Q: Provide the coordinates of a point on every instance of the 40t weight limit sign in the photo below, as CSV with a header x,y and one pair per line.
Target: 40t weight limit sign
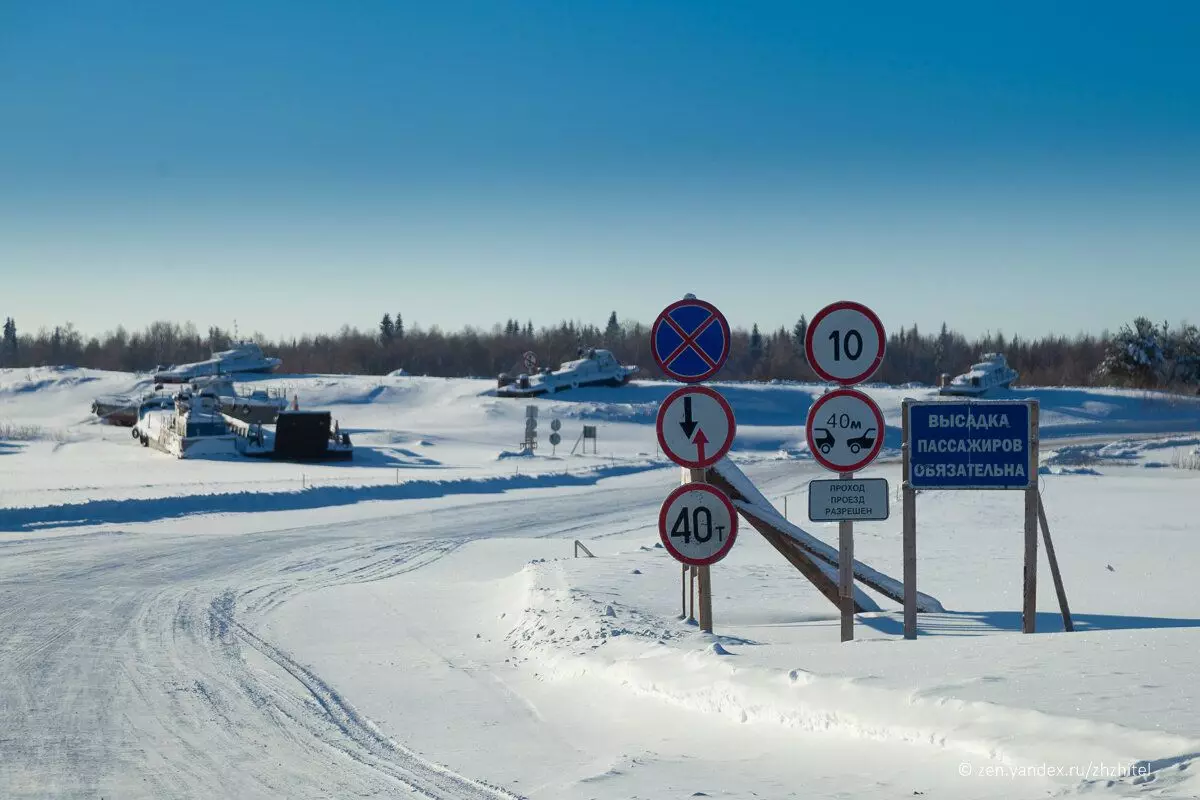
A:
x,y
697,524
845,343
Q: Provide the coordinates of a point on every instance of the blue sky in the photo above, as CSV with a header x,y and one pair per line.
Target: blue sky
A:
x,y
297,166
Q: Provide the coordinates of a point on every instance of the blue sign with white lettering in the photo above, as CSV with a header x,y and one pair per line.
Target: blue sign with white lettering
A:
x,y
971,445
690,340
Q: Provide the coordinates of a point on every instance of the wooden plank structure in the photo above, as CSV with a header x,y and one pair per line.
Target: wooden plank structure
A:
x,y
815,560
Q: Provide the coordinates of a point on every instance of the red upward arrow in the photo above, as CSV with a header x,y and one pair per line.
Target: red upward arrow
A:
x,y
700,441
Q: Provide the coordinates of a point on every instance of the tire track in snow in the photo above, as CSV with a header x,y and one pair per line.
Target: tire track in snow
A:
x,y
366,743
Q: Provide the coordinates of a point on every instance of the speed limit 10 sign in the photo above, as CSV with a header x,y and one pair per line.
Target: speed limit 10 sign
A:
x,y
845,342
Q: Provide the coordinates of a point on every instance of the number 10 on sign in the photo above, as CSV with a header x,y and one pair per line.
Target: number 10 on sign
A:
x,y
845,343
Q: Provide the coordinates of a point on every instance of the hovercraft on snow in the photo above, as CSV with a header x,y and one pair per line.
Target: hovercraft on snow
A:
x,y
593,367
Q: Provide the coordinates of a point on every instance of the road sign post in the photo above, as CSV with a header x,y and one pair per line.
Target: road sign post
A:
x,y
845,344
974,444
857,499
690,340
697,524
846,571
695,428
844,430
909,530
703,573
531,414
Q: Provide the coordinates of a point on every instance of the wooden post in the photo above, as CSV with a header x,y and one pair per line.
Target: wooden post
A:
x,y
846,571
909,510
706,619
702,571
1029,610
1068,625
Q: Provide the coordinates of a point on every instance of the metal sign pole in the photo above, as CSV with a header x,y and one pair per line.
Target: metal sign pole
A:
x,y
909,511
846,570
1029,611
683,587
692,593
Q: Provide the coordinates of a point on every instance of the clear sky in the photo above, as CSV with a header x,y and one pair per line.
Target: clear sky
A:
x,y
296,166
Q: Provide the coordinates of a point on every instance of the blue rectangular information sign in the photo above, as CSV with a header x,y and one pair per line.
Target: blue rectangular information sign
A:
x,y
978,444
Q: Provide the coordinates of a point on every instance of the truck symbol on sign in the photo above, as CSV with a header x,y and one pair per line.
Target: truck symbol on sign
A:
x,y
825,440
859,442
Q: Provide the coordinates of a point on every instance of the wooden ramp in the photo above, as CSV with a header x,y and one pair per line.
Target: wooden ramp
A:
x,y
815,559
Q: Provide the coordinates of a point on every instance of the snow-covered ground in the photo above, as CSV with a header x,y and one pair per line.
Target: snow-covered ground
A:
x,y
415,623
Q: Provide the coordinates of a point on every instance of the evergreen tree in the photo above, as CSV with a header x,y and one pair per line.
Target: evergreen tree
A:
x,y
800,331
1136,355
398,327
940,346
8,346
612,331
756,343
529,328
386,329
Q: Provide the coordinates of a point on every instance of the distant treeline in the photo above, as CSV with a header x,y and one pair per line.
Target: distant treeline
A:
x,y
1145,354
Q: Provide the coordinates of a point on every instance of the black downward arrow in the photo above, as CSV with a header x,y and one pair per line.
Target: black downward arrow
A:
x,y
688,423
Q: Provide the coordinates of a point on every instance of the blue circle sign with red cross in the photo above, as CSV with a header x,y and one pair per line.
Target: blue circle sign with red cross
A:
x,y
690,340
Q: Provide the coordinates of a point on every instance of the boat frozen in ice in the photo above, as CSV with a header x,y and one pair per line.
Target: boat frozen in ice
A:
x,y
244,357
260,406
593,367
991,372
191,426
122,409
194,426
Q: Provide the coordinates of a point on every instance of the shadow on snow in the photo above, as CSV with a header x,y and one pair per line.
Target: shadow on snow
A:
x,y
96,512
979,623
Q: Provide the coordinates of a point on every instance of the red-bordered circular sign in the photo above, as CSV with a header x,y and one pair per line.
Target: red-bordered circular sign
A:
x,y
844,430
695,426
690,340
845,342
697,524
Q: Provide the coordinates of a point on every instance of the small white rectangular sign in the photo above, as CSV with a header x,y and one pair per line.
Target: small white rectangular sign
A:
x,y
862,499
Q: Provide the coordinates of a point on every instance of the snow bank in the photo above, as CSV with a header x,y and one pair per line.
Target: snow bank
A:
x,y
569,635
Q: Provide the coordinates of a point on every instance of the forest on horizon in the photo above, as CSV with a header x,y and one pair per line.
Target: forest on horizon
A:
x,y
1142,354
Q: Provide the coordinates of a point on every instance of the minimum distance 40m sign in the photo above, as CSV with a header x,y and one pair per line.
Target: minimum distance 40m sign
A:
x,y
844,430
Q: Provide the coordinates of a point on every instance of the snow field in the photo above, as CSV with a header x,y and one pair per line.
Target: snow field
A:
x,y
416,623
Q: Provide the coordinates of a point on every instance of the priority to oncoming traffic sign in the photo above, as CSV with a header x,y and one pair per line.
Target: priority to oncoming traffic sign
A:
x,y
690,340
844,342
697,524
861,499
844,430
978,444
695,426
